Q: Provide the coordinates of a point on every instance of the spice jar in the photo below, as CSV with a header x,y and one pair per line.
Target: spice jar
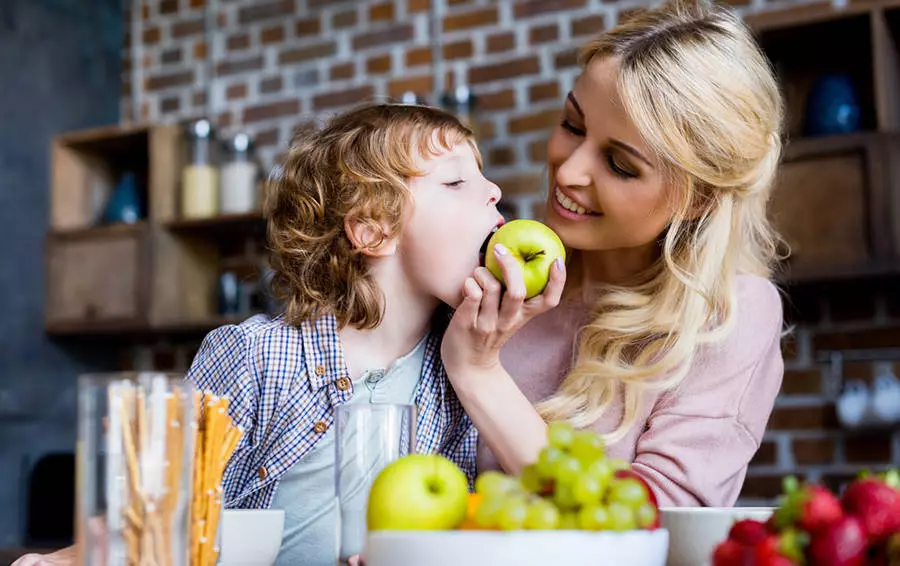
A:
x,y
237,186
200,177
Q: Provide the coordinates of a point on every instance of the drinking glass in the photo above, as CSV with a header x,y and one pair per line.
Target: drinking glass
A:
x,y
369,437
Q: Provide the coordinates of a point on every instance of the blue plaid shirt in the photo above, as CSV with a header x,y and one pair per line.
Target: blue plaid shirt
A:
x,y
284,383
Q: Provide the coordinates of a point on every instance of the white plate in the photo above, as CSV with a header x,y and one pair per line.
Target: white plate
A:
x,y
694,532
516,548
250,537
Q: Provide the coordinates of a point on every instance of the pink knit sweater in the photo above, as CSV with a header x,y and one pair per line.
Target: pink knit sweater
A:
x,y
692,445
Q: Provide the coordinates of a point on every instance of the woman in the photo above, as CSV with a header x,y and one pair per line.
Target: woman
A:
x,y
667,334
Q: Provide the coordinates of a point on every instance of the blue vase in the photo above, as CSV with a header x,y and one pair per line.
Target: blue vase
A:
x,y
832,106
125,204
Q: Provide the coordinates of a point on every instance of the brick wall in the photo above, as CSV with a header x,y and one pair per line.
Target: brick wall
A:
x,y
269,66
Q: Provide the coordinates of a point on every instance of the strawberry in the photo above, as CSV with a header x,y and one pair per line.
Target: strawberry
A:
x,y
732,553
876,504
651,497
748,531
809,507
840,544
783,549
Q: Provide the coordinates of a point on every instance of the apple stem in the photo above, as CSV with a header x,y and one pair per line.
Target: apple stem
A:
x,y
530,256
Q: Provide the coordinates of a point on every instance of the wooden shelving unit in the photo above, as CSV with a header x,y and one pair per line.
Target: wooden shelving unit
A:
x,y
155,277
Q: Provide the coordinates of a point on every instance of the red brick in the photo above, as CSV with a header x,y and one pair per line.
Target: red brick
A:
x,y
234,65
863,371
187,28
200,50
520,183
198,3
339,98
766,455
589,25
273,34
169,56
378,65
860,339
868,448
513,68
500,100
764,486
471,19
238,42
170,104
262,10
802,382
500,156
537,7
566,59
416,6
344,19
534,122
162,81
537,151
837,481
342,71
308,26
813,450
266,138
308,53
236,91
803,418
543,34
419,85
500,42
168,6
458,50
394,34
486,129
151,35
271,110
198,98
418,56
381,12
543,91
270,85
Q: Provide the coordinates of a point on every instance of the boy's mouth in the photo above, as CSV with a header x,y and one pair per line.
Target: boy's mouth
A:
x,y
483,251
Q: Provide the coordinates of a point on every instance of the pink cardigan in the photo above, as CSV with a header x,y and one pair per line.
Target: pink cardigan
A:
x,y
692,445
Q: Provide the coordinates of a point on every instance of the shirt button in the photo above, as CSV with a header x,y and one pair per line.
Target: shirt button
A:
x,y
343,384
320,370
263,473
320,427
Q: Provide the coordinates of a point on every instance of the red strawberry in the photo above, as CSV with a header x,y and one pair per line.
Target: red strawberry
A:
x,y
651,497
840,544
809,507
748,531
784,549
876,504
732,553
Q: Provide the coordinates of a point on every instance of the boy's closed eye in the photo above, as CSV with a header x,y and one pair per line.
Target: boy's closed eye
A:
x,y
455,184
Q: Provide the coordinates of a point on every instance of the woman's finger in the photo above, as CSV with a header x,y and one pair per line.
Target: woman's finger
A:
x,y
490,302
552,293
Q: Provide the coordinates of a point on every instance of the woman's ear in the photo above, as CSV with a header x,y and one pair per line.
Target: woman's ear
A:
x,y
369,236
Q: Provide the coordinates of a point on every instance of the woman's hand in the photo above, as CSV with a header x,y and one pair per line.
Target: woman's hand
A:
x,y
64,557
485,320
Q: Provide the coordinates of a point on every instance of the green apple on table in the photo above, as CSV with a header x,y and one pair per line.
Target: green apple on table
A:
x,y
418,492
533,245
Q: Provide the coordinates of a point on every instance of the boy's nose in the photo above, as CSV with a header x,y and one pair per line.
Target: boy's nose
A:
x,y
494,193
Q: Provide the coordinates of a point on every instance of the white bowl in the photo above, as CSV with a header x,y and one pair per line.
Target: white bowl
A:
x,y
694,532
516,548
250,537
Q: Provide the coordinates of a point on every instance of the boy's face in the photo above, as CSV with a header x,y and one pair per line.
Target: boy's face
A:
x,y
454,210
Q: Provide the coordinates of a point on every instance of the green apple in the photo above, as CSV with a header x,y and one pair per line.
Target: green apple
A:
x,y
420,492
533,245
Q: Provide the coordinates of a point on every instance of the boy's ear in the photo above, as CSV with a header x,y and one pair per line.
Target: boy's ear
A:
x,y
369,237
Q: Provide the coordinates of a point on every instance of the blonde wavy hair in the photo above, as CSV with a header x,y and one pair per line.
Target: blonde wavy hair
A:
x,y
704,97
357,166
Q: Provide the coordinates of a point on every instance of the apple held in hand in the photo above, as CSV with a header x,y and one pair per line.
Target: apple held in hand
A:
x,y
421,492
533,245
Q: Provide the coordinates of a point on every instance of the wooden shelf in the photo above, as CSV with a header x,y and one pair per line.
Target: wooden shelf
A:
x,y
242,224
130,330
99,231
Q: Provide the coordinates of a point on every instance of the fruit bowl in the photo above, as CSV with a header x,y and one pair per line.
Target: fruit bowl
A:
x,y
695,531
516,548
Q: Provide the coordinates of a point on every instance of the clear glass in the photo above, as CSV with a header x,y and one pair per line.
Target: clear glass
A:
x,y
134,464
369,437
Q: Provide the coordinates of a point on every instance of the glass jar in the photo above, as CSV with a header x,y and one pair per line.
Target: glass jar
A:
x,y
239,176
200,177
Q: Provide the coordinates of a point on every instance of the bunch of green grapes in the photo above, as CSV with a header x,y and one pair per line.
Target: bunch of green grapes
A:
x,y
572,486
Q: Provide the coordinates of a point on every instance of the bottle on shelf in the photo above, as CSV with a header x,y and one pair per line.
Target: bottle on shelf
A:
x,y
200,177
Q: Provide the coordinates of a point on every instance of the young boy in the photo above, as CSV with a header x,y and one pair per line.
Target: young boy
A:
x,y
375,222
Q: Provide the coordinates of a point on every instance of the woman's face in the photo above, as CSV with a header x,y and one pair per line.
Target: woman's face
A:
x,y
607,191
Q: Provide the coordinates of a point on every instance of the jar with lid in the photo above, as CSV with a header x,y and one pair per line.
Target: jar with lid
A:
x,y
240,173
200,177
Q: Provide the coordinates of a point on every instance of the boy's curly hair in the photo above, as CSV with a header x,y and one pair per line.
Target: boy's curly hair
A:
x,y
356,166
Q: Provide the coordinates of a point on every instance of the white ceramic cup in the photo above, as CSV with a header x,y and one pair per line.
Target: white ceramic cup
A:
x,y
694,532
250,537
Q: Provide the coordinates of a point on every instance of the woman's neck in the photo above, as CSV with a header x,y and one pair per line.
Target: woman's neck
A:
x,y
590,270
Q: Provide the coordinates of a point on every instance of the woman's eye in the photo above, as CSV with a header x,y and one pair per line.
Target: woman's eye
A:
x,y
621,170
571,128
